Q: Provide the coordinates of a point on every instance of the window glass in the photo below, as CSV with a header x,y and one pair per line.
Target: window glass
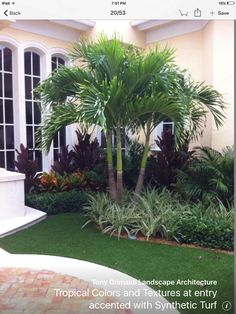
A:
x,y
28,112
10,160
1,111
113,139
28,63
9,137
7,60
36,64
8,85
2,137
9,111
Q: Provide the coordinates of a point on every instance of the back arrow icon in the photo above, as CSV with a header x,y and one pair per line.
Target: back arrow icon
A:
x,y
6,12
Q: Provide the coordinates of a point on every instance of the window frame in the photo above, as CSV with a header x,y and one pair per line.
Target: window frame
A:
x,y
56,148
5,150
158,132
98,133
35,150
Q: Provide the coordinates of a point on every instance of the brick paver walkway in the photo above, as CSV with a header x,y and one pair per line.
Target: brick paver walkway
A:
x,y
33,292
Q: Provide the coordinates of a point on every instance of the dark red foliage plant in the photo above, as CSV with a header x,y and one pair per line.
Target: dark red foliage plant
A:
x,y
25,164
65,162
162,165
87,152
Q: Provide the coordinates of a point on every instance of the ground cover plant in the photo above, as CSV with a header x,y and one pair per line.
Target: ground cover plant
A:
x,y
63,235
160,214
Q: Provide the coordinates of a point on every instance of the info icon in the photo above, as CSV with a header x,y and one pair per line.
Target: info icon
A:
x,y
226,306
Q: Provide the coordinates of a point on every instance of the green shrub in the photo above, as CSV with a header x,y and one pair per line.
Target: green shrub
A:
x,y
132,161
208,175
57,202
159,213
212,227
95,180
207,233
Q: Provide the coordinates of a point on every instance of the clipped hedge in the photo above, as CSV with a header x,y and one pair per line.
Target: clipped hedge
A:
x,y
206,232
57,202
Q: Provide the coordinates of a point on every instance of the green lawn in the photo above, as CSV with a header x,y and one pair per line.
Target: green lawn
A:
x,y
62,235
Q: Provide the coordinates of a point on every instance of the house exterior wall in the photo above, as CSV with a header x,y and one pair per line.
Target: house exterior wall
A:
x,y
222,74
188,55
23,36
208,54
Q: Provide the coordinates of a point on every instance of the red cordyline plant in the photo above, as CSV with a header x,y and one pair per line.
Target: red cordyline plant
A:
x,y
25,164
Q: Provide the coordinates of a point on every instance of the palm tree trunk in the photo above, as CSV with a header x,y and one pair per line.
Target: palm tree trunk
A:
x,y
111,178
119,166
141,176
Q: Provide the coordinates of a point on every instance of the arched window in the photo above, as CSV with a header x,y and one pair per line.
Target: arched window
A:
x,y
7,141
167,124
33,113
60,138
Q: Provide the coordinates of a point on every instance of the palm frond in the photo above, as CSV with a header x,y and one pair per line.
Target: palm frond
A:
x,y
58,117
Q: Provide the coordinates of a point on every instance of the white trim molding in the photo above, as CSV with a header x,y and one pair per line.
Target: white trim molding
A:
x,y
35,47
10,41
146,25
156,30
66,31
80,25
59,52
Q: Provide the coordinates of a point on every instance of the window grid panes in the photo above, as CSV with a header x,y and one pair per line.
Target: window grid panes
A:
x,y
113,139
7,141
33,113
60,138
168,124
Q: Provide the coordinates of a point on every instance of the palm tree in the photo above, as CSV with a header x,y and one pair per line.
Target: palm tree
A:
x,y
117,86
197,100
109,88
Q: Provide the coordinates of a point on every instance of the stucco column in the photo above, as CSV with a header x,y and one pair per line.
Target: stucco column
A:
x,y
47,69
19,97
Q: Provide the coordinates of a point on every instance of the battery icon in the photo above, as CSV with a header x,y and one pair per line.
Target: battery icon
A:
x,y
230,2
